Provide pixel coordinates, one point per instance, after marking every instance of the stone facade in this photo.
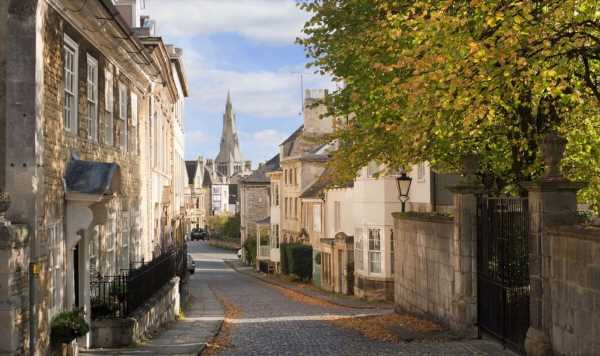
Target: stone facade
(197, 194)
(78, 96)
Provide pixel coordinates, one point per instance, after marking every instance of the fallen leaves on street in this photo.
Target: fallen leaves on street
(381, 327)
(304, 299)
(223, 339)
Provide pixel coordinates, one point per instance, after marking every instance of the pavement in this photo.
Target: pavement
(264, 318)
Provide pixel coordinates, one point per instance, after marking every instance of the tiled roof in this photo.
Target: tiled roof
(259, 175)
(92, 177)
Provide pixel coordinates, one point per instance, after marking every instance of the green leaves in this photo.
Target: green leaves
(433, 80)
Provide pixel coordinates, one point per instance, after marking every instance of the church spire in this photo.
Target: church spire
(229, 160)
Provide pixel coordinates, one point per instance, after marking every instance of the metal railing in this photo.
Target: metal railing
(119, 296)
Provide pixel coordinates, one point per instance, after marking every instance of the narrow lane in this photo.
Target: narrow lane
(268, 322)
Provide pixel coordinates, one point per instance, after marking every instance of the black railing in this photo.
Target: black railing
(118, 296)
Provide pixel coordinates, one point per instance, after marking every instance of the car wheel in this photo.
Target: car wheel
(192, 271)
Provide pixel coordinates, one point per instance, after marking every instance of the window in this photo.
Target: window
(92, 98)
(123, 114)
(275, 236)
(55, 266)
(285, 201)
(392, 247)
(134, 120)
(275, 194)
(337, 216)
(70, 55)
(285, 176)
(109, 107)
(316, 218)
(296, 208)
(358, 249)
(421, 171)
(295, 177)
(374, 251)
(372, 169)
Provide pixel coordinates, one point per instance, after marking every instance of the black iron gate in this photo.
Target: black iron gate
(502, 269)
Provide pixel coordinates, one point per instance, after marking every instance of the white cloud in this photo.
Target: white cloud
(196, 137)
(271, 21)
(269, 137)
(262, 94)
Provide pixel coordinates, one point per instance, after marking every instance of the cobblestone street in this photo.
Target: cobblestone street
(264, 320)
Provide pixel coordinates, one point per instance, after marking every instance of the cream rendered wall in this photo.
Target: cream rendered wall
(345, 197)
(374, 200)
(420, 188)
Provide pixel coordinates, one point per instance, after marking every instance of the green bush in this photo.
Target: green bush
(250, 248)
(225, 227)
(299, 259)
(283, 260)
(68, 326)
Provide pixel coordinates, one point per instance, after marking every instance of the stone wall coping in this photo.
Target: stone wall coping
(143, 309)
(425, 217)
(589, 233)
(549, 185)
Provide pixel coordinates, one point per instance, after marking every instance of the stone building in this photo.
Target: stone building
(197, 194)
(301, 164)
(255, 202)
(79, 89)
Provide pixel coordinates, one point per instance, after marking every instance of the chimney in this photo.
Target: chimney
(129, 10)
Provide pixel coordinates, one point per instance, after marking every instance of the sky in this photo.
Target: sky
(247, 47)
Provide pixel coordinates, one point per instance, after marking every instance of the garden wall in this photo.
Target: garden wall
(161, 308)
(574, 275)
(424, 275)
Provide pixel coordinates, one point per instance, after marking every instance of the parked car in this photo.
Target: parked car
(198, 234)
(191, 265)
(239, 253)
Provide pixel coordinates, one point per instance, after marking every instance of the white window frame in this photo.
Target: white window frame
(316, 210)
(359, 250)
(92, 98)
(70, 112)
(109, 107)
(56, 251)
(392, 251)
(123, 115)
(134, 120)
(421, 171)
(374, 246)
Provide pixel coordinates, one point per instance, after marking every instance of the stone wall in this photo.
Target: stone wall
(424, 272)
(255, 206)
(162, 308)
(574, 275)
(14, 289)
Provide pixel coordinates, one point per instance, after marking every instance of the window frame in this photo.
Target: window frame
(93, 124)
(316, 217)
(73, 48)
(123, 112)
(56, 256)
(134, 120)
(109, 106)
(374, 250)
(337, 216)
(359, 257)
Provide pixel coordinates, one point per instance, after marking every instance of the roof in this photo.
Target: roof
(207, 181)
(323, 182)
(191, 168)
(259, 175)
(92, 177)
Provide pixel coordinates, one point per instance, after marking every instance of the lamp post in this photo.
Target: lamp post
(403, 183)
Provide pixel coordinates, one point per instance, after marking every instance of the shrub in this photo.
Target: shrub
(250, 248)
(297, 259)
(283, 260)
(68, 326)
(225, 227)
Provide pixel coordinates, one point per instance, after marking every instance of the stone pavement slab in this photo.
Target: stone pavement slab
(188, 336)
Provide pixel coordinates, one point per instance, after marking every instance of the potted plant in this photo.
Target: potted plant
(68, 326)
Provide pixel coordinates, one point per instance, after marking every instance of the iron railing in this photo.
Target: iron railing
(120, 295)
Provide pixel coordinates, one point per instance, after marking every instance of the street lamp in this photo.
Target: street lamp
(403, 183)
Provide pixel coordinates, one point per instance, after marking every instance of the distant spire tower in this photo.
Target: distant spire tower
(229, 161)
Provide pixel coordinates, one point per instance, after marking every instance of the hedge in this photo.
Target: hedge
(250, 248)
(296, 260)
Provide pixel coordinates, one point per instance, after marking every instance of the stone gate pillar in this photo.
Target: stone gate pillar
(14, 285)
(552, 201)
(464, 250)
